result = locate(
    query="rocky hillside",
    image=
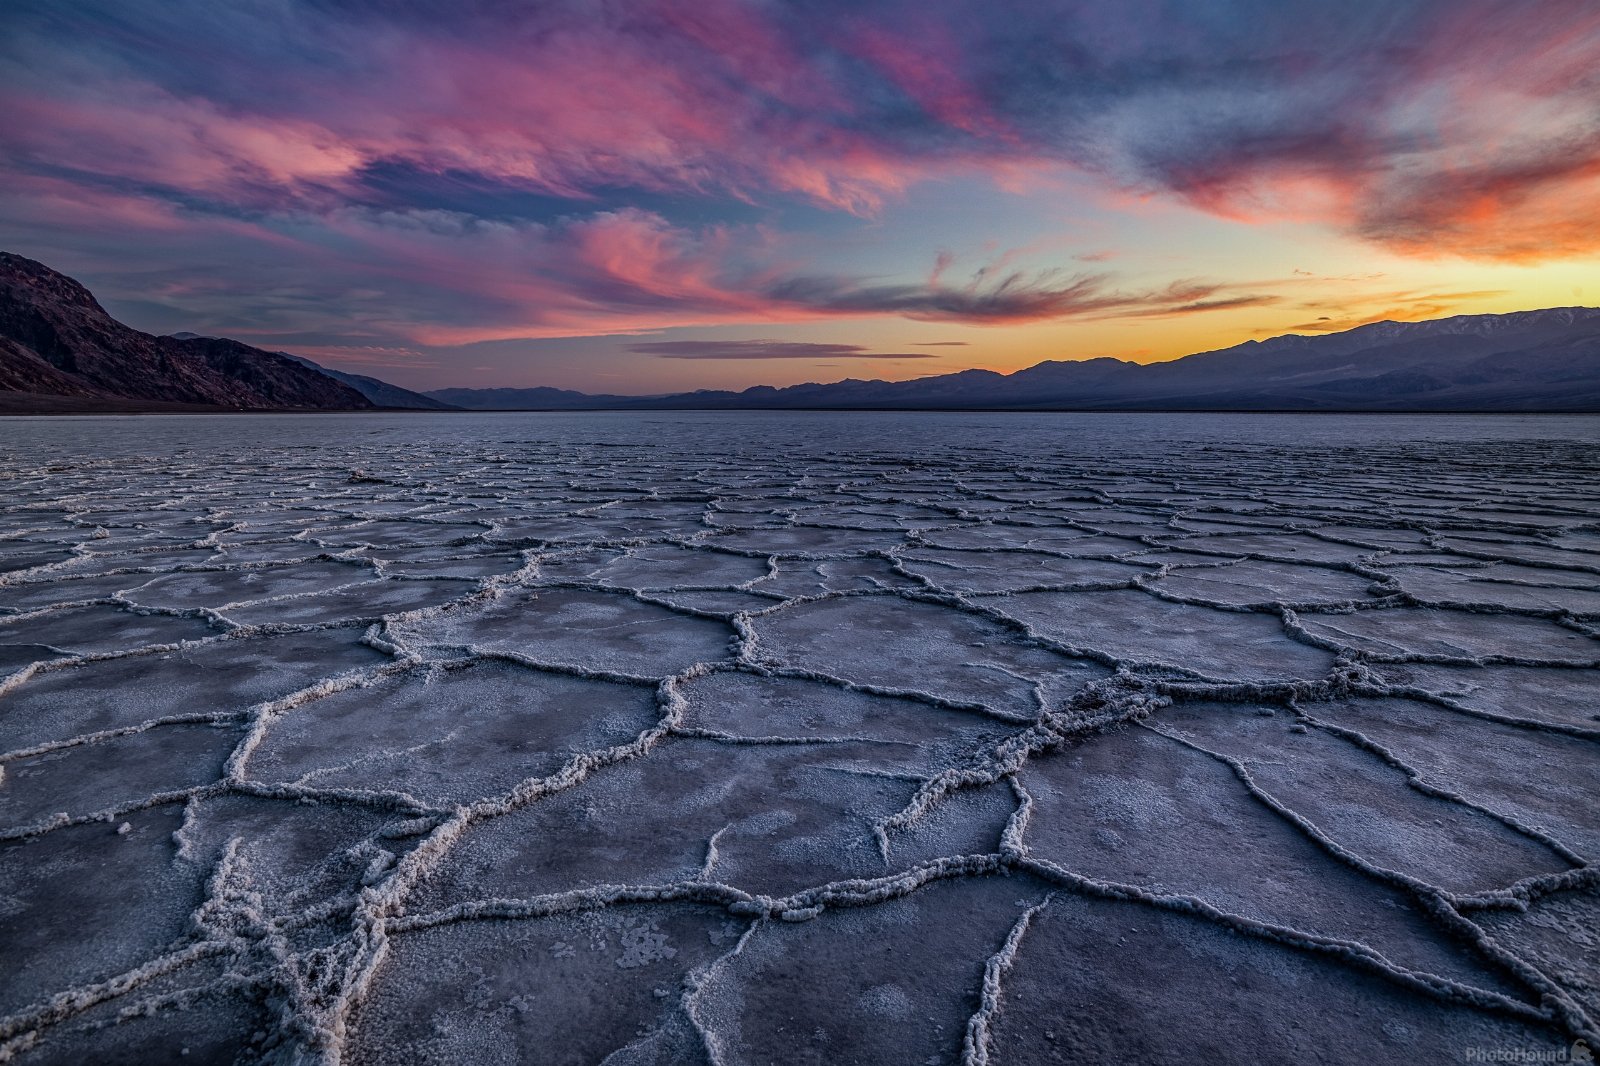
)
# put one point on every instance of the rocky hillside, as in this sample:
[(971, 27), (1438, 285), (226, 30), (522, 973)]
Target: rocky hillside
[(60, 350)]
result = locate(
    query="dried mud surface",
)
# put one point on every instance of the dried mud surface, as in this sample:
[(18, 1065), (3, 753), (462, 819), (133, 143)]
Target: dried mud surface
[(773, 740)]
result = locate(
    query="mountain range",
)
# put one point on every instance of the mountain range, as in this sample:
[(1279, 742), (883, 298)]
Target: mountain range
[(378, 393), (1545, 360), (61, 352)]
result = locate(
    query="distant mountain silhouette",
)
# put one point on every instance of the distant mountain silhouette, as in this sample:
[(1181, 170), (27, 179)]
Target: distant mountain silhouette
[(541, 398), (381, 393), (60, 351), (1522, 361)]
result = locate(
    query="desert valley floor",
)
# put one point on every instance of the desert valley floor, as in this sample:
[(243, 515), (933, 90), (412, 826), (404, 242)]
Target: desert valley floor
[(802, 738)]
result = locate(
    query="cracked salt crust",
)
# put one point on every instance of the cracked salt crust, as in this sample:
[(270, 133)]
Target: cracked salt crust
[(390, 740)]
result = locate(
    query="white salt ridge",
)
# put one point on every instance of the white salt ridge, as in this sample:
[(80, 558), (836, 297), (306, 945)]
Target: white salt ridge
[(948, 630)]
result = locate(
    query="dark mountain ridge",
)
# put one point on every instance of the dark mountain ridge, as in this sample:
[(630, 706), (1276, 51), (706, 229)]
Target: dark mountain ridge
[(61, 351), (378, 391)]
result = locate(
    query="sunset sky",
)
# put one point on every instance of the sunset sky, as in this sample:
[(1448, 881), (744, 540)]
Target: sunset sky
[(675, 194)]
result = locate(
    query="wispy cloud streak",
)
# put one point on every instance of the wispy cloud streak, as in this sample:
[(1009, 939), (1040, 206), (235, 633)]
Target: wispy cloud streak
[(764, 349)]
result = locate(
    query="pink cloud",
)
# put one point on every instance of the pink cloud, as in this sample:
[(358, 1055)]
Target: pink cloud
[(255, 158), (1480, 143), (1472, 136), (135, 132)]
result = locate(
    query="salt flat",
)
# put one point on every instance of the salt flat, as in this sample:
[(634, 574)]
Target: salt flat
[(799, 738)]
